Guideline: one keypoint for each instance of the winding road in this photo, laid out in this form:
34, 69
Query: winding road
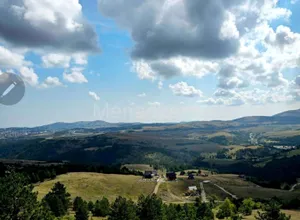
294, 186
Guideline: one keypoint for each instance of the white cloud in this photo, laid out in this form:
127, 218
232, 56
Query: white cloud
56, 60
75, 76
94, 96
156, 104
178, 66
282, 37
51, 82
143, 70
160, 85
80, 59
29, 76
183, 89
234, 101
9, 59
142, 95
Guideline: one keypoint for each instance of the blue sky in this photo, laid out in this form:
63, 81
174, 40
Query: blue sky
128, 61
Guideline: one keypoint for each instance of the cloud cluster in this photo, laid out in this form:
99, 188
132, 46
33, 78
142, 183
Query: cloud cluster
231, 39
10, 59
75, 76
55, 30
183, 89
51, 82
43, 24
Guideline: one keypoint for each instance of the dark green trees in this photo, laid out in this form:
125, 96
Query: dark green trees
82, 212
101, 208
58, 200
227, 209
17, 201
272, 212
150, 208
123, 209
247, 206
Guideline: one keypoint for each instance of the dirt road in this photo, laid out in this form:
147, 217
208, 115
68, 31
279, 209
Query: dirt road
225, 191
203, 194
159, 180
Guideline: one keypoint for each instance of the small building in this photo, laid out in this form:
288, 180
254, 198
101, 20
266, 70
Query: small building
171, 176
154, 173
150, 173
191, 176
192, 188
182, 173
242, 176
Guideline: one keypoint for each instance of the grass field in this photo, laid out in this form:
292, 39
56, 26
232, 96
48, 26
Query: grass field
295, 215
175, 191
93, 186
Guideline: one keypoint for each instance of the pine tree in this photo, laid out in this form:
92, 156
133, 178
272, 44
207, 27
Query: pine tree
204, 212
58, 200
17, 201
82, 212
150, 208
101, 208
78, 201
123, 209
91, 206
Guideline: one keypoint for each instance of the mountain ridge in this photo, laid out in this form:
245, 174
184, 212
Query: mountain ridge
290, 116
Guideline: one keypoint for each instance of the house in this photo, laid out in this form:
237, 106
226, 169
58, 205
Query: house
150, 173
154, 173
191, 176
192, 188
171, 176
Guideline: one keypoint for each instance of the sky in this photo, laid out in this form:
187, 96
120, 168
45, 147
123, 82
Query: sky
150, 60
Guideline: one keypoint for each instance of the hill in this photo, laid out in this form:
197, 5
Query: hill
93, 186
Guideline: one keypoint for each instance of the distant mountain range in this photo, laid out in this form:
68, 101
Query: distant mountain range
288, 117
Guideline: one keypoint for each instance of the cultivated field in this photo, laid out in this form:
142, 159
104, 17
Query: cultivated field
93, 186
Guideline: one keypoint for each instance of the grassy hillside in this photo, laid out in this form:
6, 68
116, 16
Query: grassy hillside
93, 186
295, 215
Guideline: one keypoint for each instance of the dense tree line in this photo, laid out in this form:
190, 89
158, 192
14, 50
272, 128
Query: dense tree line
39, 173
